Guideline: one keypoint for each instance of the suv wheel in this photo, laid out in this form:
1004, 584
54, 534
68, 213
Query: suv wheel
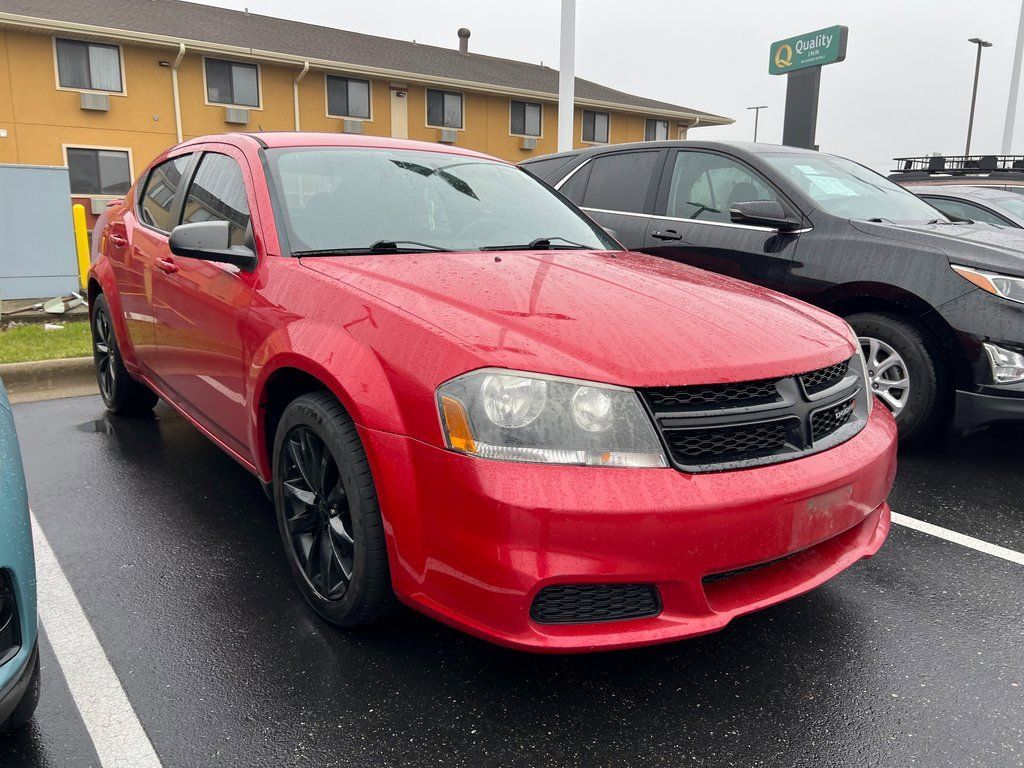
327, 512
120, 392
903, 370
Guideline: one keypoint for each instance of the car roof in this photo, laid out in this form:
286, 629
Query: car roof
283, 139
735, 147
962, 190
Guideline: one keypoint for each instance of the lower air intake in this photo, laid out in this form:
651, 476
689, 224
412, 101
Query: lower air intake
586, 603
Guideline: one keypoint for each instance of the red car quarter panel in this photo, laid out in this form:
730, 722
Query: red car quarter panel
461, 393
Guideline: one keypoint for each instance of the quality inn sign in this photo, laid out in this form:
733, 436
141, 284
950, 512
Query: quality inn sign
814, 49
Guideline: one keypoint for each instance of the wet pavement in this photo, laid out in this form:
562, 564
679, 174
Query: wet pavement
914, 658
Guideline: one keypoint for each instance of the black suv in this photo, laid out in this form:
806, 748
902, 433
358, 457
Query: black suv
938, 305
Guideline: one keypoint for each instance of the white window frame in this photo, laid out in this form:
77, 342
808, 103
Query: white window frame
426, 108
131, 168
259, 84
668, 127
327, 100
583, 113
526, 135
56, 67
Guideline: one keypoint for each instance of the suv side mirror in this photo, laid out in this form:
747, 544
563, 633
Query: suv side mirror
764, 213
210, 241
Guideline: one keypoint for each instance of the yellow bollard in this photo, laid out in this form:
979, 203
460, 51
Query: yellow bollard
81, 242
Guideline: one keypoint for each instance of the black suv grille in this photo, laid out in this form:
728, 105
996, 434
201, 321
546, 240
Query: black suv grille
823, 378
585, 603
729, 426
714, 395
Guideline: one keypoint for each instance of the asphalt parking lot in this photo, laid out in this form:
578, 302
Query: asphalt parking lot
914, 658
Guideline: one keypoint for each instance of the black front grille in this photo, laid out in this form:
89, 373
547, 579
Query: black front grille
10, 632
713, 577
726, 444
716, 427
828, 420
706, 396
586, 603
823, 378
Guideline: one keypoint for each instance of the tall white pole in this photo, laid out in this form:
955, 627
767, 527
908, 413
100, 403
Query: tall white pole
1011, 103
567, 75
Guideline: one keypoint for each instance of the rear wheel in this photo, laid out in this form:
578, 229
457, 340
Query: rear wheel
120, 392
328, 514
904, 371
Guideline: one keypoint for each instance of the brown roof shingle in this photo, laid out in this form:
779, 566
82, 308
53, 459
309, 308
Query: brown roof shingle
220, 26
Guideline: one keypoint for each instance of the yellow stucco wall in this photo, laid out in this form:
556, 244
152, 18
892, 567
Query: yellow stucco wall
41, 119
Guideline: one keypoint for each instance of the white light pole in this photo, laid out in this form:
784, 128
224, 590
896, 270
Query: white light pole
974, 94
1011, 102
567, 75
757, 114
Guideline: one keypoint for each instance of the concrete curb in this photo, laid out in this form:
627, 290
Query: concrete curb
49, 379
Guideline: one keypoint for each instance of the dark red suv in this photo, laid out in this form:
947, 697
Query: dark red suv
462, 393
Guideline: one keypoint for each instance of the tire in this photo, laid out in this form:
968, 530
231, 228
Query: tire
330, 521
22, 713
121, 393
921, 406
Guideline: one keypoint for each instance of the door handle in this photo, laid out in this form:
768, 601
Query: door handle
166, 266
118, 241
668, 234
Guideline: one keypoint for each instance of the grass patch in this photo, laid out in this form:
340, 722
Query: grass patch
30, 341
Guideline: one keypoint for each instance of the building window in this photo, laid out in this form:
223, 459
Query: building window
656, 130
595, 127
347, 97
99, 171
526, 118
232, 83
444, 109
88, 66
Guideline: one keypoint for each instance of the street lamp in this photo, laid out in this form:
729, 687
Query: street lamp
974, 94
757, 114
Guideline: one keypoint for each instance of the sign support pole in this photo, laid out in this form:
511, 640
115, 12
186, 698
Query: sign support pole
567, 76
801, 120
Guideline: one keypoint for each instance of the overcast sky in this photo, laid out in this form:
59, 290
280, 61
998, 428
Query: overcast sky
904, 88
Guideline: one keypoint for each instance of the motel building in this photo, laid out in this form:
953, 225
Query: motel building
103, 86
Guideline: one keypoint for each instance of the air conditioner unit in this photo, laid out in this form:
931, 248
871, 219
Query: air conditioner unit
98, 205
96, 102
448, 136
236, 115
528, 143
351, 126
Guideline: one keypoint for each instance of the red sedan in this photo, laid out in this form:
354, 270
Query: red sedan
461, 393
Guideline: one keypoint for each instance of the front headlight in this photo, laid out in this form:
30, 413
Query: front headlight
514, 416
1005, 286
859, 359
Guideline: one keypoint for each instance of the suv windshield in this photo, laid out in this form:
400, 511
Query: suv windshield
354, 200
843, 188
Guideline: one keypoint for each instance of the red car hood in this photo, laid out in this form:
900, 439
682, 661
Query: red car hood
624, 318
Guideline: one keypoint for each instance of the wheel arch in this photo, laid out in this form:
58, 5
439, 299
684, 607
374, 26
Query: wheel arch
854, 298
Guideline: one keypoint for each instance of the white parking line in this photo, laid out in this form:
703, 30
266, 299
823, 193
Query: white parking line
958, 538
116, 732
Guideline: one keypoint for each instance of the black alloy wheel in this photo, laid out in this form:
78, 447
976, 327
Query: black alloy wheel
317, 514
328, 514
120, 392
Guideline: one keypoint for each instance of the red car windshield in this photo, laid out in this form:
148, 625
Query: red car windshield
349, 200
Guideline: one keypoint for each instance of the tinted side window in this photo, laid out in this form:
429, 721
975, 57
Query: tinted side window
217, 193
157, 202
620, 182
545, 169
964, 210
704, 186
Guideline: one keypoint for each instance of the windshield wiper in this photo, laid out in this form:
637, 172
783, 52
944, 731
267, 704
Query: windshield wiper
381, 246
540, 244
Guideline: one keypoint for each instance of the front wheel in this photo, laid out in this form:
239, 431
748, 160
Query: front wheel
328, 514
904, 371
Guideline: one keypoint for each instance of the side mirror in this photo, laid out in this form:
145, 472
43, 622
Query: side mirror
210, 241
764, 213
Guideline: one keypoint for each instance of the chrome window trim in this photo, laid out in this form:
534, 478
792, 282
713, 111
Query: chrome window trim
697, 221
572, 173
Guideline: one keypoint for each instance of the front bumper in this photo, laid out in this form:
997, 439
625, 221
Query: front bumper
472, 541
18, 680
